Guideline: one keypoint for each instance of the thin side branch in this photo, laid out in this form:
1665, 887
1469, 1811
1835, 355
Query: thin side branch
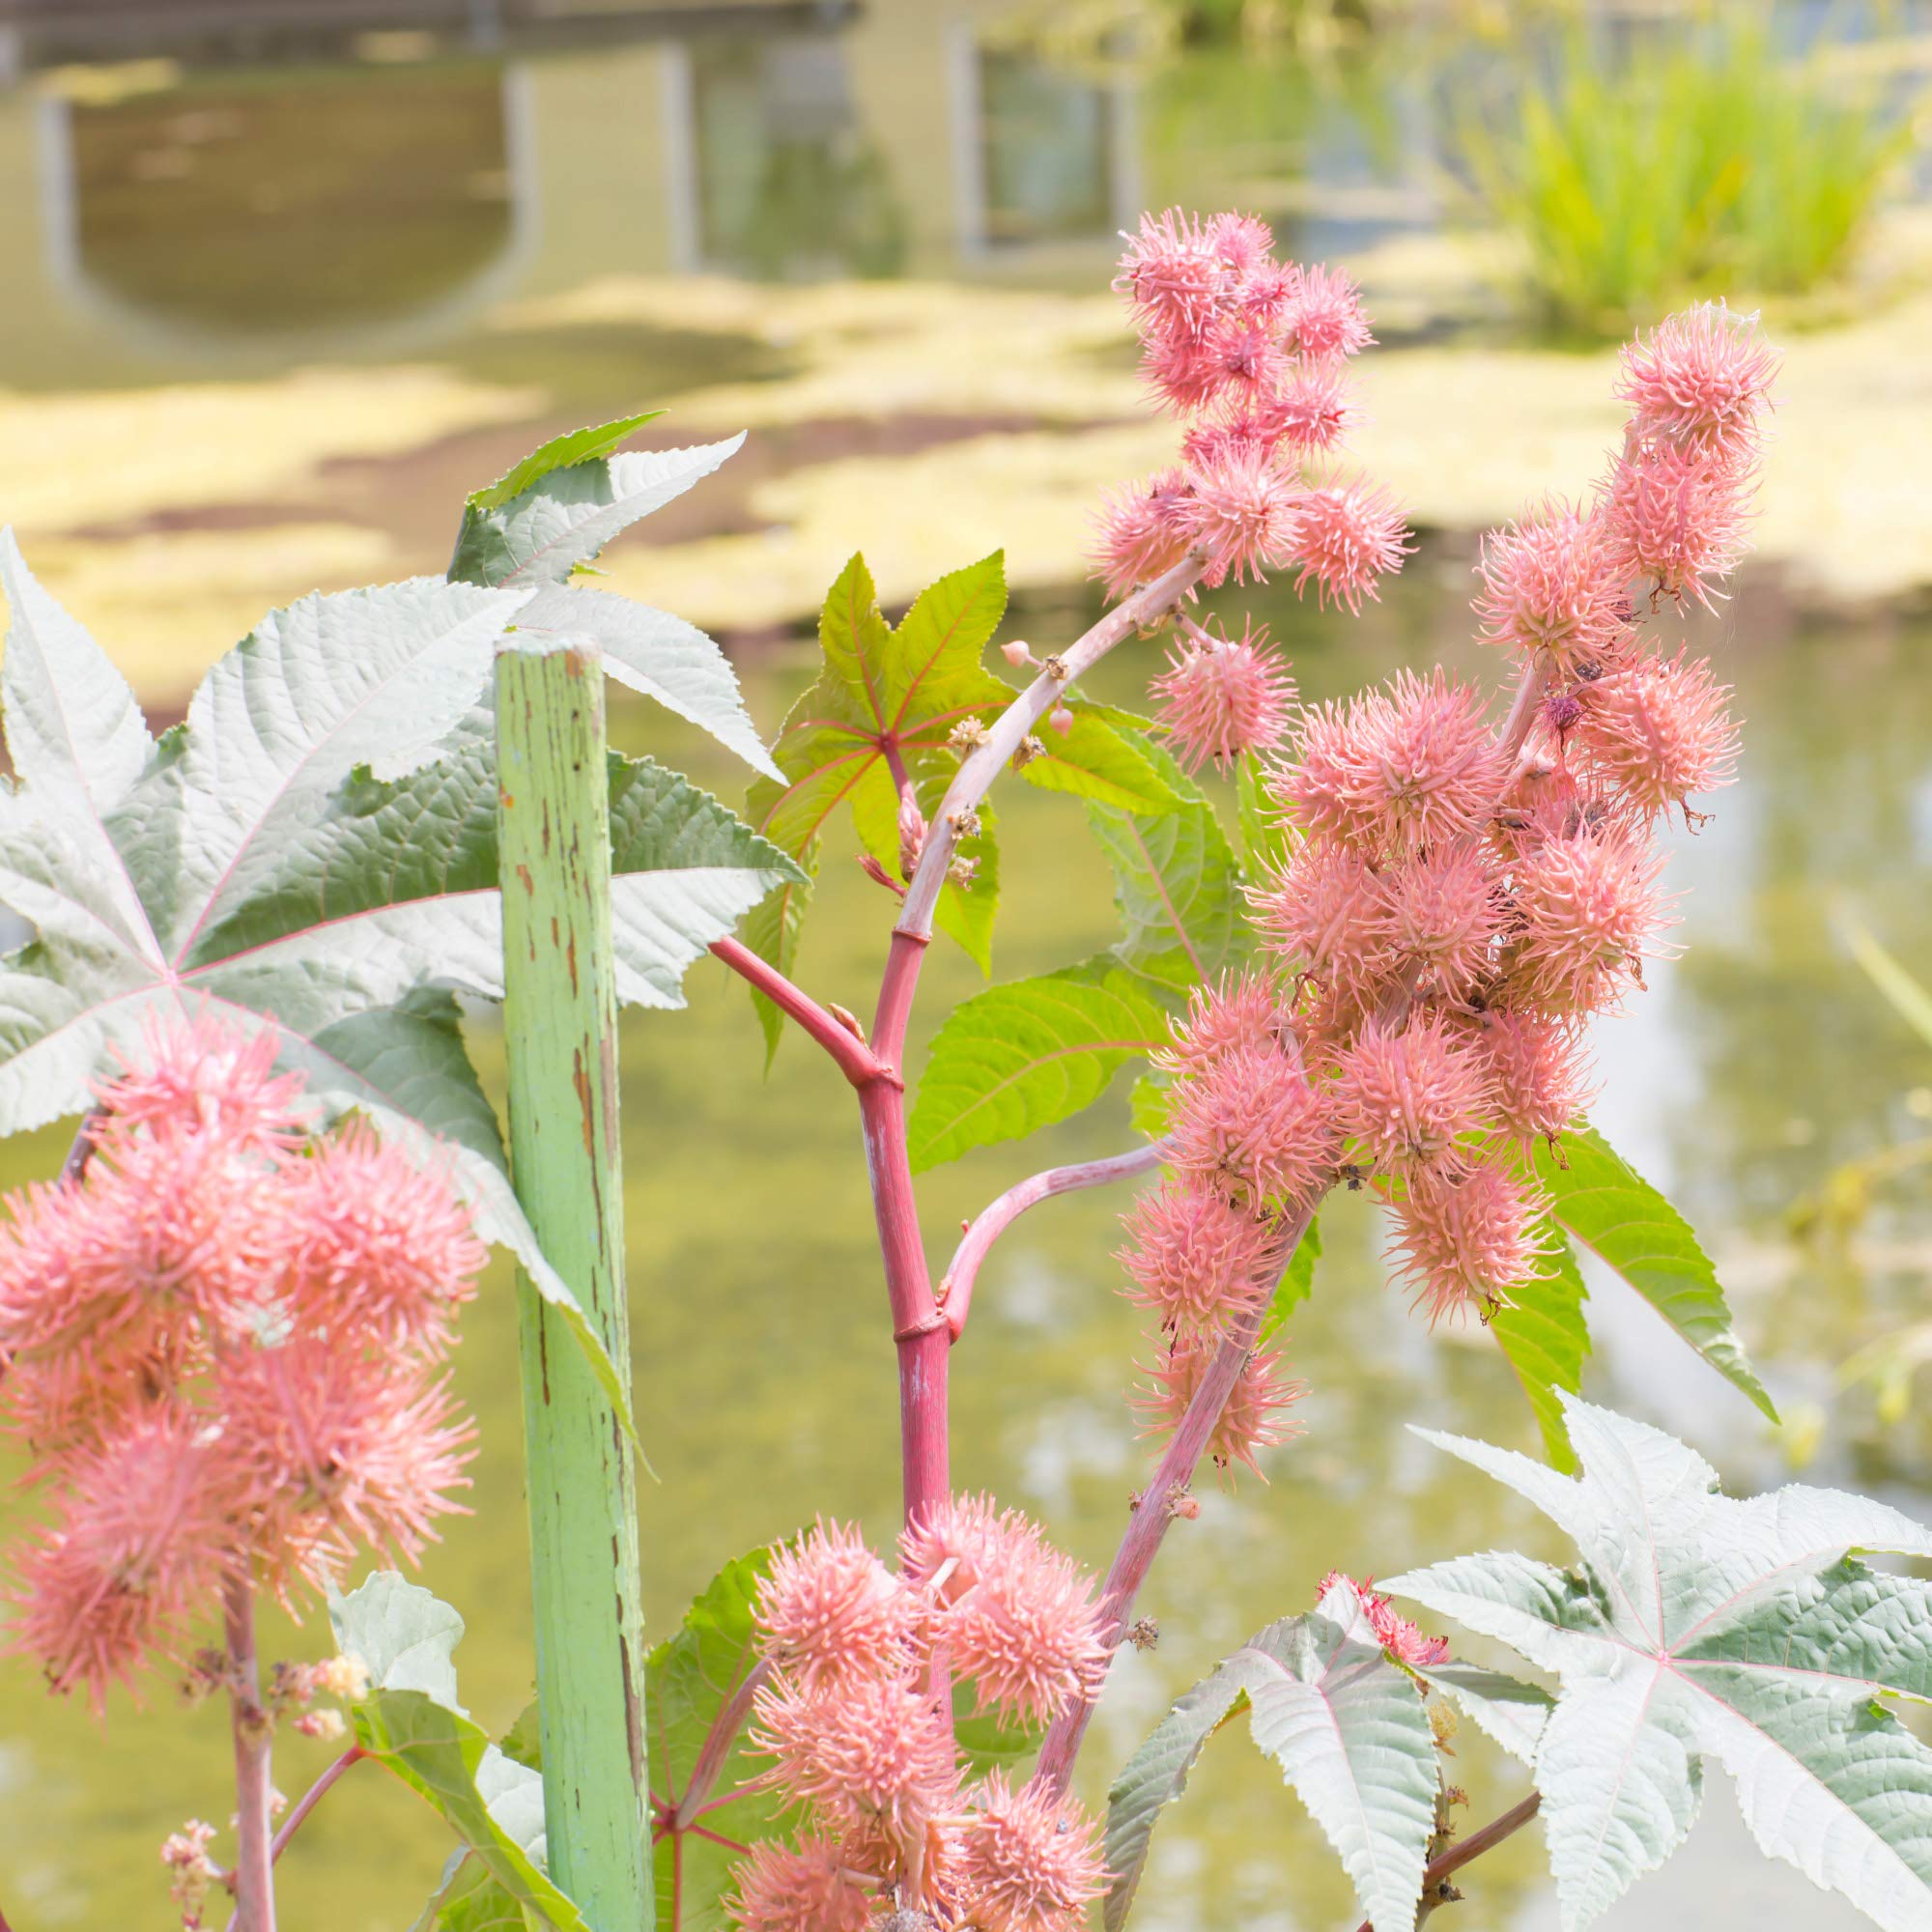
313, 1797
1147, 1526
955, 1286
976, 775
717, 1748
857, 1061
1474, 1847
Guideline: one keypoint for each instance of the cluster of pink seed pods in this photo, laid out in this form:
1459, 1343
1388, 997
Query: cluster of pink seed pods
856, 1716
221, 1346
1459, 896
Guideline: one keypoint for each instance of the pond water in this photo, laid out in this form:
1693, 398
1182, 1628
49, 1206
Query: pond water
244, 219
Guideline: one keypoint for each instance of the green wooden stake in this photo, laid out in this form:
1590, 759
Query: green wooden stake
561, 1027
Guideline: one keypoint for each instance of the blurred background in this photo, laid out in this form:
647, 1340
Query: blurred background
283, 279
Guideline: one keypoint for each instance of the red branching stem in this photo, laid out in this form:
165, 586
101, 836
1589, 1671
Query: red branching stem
1147, 1524
955, 1286
854, 1058
313, 1797
715, 1749
1464, 1850
975, 777
254, 1878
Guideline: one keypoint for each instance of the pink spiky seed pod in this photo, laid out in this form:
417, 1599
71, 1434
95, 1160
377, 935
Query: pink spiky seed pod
1229, 361
1396, 1634
1172, 273
1588, 910
1252, 1125
829, 1608
1680, 518
1660, 731
802, 1888
1024, 1628
1242, 1010
1264, 297
1347, 536
1540, 1080
204, 1078
338, 1448
1442, 919
1324, 915
1243, 244
1253, 1418
1555, 580
1027, 1861
1197, 1261
381, 1247
1222, 697
1143, 530
944, 1549
1311, 414
1245, 514
1437, 771
1468, 1238
142, 1540
1409, 1100
1330, 785
1702, 379
867, 1752
1325, 318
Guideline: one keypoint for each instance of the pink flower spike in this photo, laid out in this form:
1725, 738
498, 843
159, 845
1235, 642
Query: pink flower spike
1252, 1125
1347, 536
1228, 360
1222, 697
1396, 1634
829, 1608
1554, 582
802, 1888
1325, 318
1027, 1861
1253, 1418
1196, 1261
1468, 1237
1660, 731
1703, 380
1245, 513
1409, 1100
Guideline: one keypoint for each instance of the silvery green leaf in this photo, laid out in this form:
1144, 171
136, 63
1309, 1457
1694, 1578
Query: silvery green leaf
1697, 1626
1507, 1712
1348, 1729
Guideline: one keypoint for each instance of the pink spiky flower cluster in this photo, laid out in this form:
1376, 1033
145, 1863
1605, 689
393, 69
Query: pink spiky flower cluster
1459, 897
1250, 353
222, 1347
857, 1657
1396, 1634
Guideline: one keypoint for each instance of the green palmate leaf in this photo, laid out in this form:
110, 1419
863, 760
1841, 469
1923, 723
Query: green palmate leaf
272, 880
1017, 1058
1266, 834
1698, 1627
1618, 1216
987, 1743
1149, 1104
654, 653
560, 507
1348, 1732
886, 703
1176, 883
1298, 1281
409, 1719
1544, 1338
691, 1679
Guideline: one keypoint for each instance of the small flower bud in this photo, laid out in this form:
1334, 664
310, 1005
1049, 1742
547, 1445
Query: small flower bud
1017, 653
1061, 718
962, 871
912, 835
327, 1726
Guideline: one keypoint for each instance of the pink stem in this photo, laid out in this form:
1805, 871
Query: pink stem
313, 1797
717, 1747
955, 1287
855, 1059
1147, 1524
254, 1877
975, 777
1515, 727
1474, 1847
